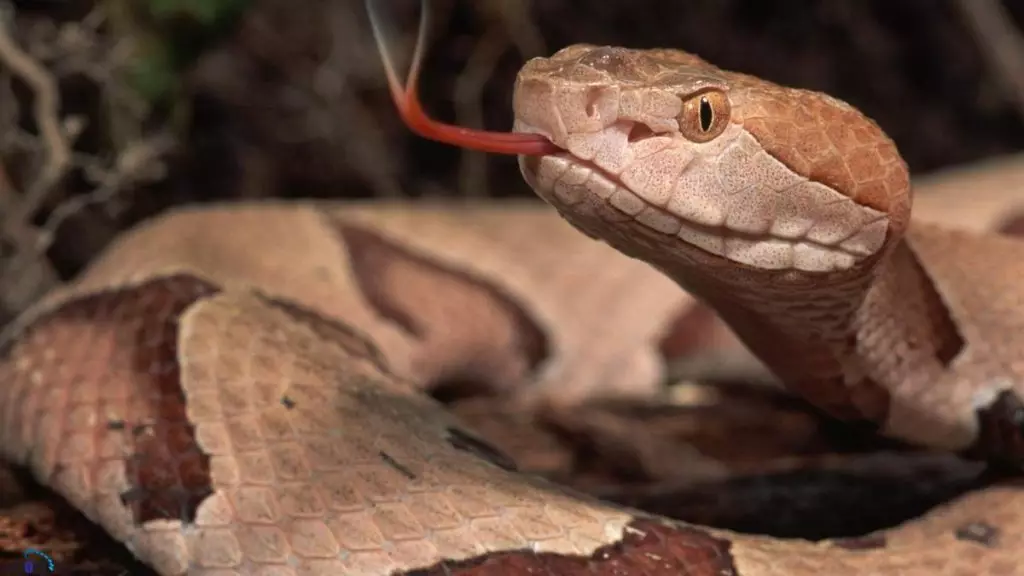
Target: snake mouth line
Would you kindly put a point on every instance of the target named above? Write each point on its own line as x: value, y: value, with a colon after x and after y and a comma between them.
x: 573, y: 179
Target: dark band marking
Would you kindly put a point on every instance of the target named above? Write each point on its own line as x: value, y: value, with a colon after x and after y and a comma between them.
x: 946, y: 340
x: 1012, y: 225
x: 848, y: 500
x: 398, y: 466
x: 1002, y: 429
x: 443, y: 307
x: 390, y: 276
x: 869, y: 542
x: 688, y: 332
x: 462, y: 440
x: 129, y: 377
x: 326, y: 328
x: 647, y: 548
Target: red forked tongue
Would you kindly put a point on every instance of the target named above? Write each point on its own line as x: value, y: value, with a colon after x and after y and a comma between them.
x: 409, y: 108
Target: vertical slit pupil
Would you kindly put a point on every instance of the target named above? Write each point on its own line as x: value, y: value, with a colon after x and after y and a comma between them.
x: 707, y: 114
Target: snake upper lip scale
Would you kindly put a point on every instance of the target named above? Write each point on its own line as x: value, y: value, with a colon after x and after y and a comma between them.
x: 238, y: 389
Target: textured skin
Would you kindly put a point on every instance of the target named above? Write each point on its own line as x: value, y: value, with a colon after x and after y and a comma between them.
x: 901, y: 339
x: 208, y: 391
x: 912, y: 330
x: 298, y: 252
x: 816, y: 136
x: 768, y: 185
x: 219, y: 431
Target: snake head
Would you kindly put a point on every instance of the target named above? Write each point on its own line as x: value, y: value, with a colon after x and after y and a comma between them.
x: 682, y: 164
x: 689, y: 167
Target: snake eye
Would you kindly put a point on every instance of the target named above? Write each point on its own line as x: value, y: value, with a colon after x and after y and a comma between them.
x: 705, y: 115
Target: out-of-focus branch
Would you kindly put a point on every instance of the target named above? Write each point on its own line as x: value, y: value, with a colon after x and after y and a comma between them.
x: 18, y: 232
x: 43, y: 53
x: 1001, y: 44
x: 139, y: 162
x: 8, y: 196
x: 27, y: 272
x: 46, y: 111
x: 508, y: 23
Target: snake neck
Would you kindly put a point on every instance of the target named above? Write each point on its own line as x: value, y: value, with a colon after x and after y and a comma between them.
x: 826, y: 342
x: 808, y: 339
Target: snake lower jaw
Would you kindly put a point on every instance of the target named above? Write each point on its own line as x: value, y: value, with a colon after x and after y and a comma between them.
x: 601, y: 207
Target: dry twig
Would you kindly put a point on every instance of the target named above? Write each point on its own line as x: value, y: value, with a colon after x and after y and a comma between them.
x: 46, y: 111
x: 508, y: 23
x: 45, y: 53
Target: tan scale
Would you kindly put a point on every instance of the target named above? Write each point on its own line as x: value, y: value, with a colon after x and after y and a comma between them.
x: 208, y: 392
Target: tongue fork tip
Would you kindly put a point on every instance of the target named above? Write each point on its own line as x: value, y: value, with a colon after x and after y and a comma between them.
x: 407, y: 102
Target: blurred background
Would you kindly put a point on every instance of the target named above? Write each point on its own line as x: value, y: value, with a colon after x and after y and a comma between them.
x: 112, y: 111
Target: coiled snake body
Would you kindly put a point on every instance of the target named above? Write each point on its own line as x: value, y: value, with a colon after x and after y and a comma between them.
x: 228, y: 390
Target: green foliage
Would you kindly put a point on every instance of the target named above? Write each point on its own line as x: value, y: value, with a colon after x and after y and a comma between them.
x: 155, y: 75
x: 205, y: 12
x: 172, y: 34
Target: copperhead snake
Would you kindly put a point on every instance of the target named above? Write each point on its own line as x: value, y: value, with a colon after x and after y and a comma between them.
x: 236, y: 389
